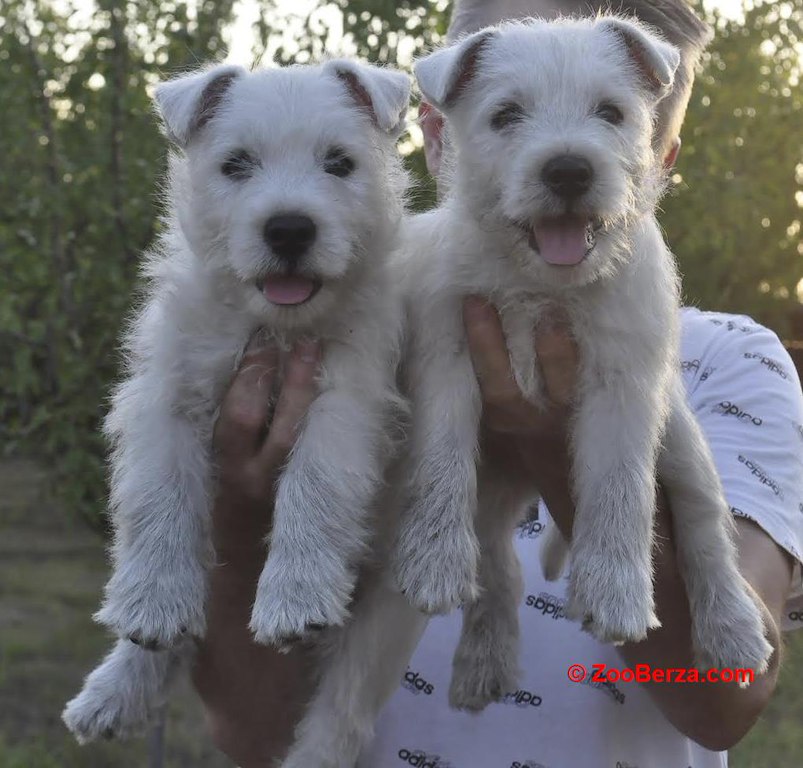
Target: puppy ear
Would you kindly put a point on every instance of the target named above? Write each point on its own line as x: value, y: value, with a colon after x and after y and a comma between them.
x: 383, y: 93
x: 656, y: 60
x: 443, y: 74
x: 188, y: 102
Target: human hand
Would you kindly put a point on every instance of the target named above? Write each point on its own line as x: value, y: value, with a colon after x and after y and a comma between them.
x: 250, y: 446
x: 252, y: 694
x: 514, y: 431
x: 505, y: 408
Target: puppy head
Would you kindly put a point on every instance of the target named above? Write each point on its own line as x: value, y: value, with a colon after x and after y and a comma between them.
x: 552, y: 126
x: 288, y: 179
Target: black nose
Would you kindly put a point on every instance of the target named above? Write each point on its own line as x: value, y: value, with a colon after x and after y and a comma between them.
x: 289, y: 235
x: 568, y: 176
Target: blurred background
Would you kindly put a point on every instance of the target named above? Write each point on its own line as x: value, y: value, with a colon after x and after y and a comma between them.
x: 80, y: 164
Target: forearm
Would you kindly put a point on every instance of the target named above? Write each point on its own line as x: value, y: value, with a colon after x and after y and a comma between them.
x: 716, y: 715
x: 534, y: 441
x: 253, y: 695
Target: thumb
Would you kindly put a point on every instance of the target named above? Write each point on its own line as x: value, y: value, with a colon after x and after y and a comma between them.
x: 558, y: 359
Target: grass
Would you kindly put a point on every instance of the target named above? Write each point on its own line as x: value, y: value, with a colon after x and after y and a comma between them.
x: 52, y: 570
x: 776, y: 741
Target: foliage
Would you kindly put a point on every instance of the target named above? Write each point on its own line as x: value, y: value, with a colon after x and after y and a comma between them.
x: 380, y: 31
x: 51, y: 574
x: 736, y: 217
x: 82, y: 158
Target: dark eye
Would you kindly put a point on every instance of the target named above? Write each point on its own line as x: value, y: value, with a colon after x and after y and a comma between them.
x: 506, y: 115
x: 239, y: 165
x: 610, y: 113
x: 338, y: 163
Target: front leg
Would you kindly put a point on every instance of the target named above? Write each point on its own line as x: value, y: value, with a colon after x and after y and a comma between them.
x: 485, y: 665
x: 362, y: 665
x: 615, y: 443
x: 160, y: 498
x: 727, y: 626
x: 125, y: 692
x: 321, y: 529
x: 434, y: 560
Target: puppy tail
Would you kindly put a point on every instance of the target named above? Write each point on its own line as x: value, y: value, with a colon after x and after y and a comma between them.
x: 554, y: 551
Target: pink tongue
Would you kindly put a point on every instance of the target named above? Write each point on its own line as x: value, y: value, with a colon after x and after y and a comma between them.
x: 562, y: 240
x: 287, y: 289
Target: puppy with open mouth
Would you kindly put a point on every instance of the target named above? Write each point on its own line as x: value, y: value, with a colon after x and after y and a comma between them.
x: 552, y: 190
x: 285, y: 198
x: 551, y: 203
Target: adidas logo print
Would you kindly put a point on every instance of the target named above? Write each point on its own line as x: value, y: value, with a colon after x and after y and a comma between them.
x: 529, y: 529
x: 549, y: 605
x: 419, y: 759
x: 522, y: 699
x: 413, y: 682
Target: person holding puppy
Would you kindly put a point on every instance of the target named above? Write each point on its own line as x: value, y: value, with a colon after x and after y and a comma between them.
x: 745, y: 392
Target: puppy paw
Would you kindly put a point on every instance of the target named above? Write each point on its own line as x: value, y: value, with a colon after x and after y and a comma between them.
x: 483, y: 671
x: 103, y: 713
x: 614, y: 610
x: 294, y: 603
x: 728, y: 633
x: 439, y: 574
x: 154, y: 613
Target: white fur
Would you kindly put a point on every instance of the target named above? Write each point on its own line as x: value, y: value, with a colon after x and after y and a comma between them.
x: 126, y: 692
x: 622, y: 302
x: 454, y: 543
x: 454, y: 540
x: 201, y: 307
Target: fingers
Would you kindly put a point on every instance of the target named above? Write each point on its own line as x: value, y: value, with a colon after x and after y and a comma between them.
x: 556, y: 352
x: 488, y: 349
x: 250, y: 455
x: 298, y: 391
x: 555, y: 349
x: 237, y: 524
x: 244, y: 411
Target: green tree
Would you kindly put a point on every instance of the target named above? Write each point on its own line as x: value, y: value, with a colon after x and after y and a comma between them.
x: 81, y: 157
x: 79, y: 178
x: 734, y: 220
x: 380, y: 31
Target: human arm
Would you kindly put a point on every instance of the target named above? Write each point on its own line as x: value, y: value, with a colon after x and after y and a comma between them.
x: 253, y: 695
x: 716, y: 716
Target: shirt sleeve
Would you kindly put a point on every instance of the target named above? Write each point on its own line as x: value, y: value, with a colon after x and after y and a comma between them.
x: 750, y: 406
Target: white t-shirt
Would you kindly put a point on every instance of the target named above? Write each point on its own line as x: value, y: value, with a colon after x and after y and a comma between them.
x: 746, y: 394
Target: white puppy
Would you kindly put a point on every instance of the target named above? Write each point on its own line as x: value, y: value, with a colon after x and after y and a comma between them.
x: 285, y: 203
x: 551, y: 205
